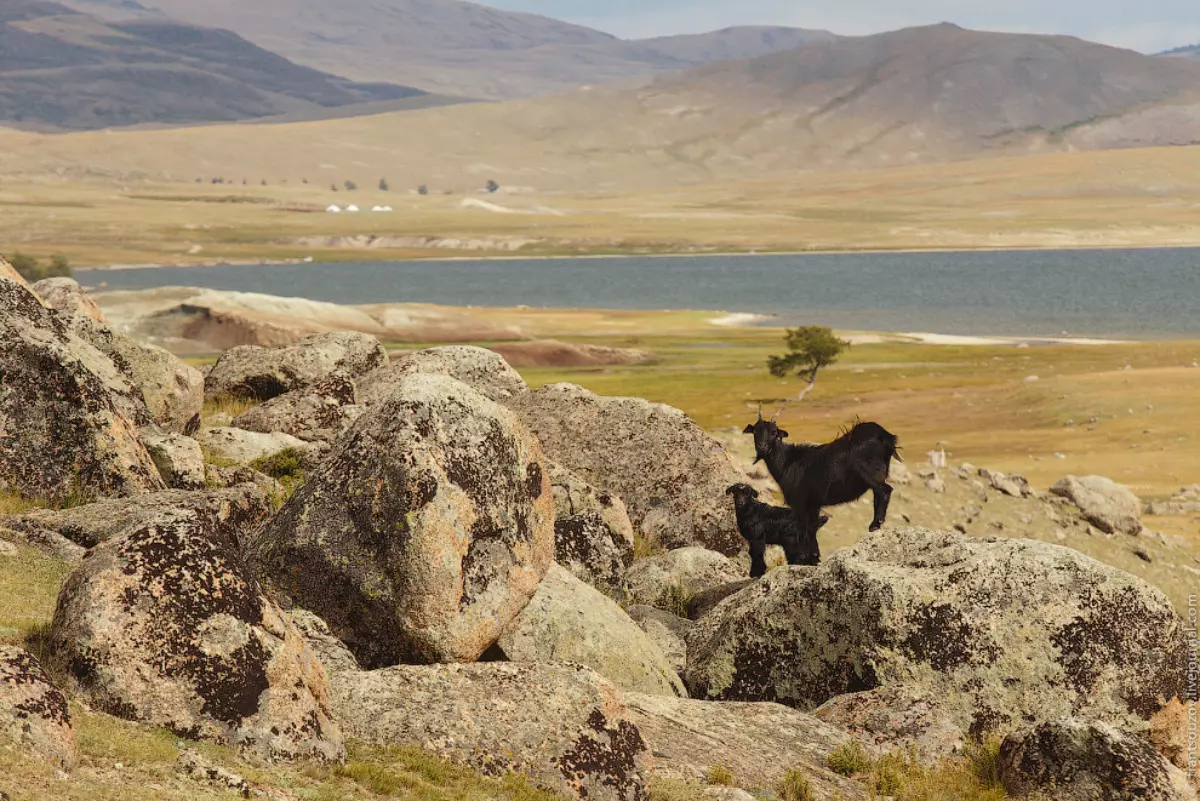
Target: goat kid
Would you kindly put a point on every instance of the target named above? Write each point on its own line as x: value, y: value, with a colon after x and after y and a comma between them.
x: 762, y: 524
x: 815, y: 476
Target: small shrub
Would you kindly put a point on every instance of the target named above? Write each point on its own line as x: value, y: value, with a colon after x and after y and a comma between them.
x: 718, y: 776
x: 675, y: 599
x: 674, y: 790
x: 795, y: 786
x: 849, y: 759
x: 888, y: 773
x: 26, y: 266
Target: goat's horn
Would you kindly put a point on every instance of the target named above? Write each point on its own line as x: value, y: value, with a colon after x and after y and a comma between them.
x: 760, y: 417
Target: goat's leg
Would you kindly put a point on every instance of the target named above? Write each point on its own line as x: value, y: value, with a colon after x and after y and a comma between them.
x: 811, y: 549
x: 758, y: 560
x: 883, y: 496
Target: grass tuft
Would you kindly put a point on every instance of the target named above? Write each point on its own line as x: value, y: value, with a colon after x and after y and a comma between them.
x: 795, y: 786
x: 718, y: 776
x: 675, y: 599
x: 849, y: 759
x: 645, y: 546
x: 223, y: 408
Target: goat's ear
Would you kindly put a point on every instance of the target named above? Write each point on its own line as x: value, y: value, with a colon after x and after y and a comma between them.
x: 783, y: 433
x: 749, y: 429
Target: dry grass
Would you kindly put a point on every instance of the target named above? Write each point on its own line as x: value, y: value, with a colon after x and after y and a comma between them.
x: 1117, y: 198
x: 29, y: 585
x: 973, y: 399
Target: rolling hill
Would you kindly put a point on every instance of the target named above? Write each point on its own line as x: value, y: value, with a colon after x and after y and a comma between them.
x: 452, y: 47
x: 62, y: 69
x: 922, y: 95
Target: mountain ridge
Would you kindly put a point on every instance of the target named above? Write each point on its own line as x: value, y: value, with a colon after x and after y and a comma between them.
x: 63, y: 69
x: 458, y: 48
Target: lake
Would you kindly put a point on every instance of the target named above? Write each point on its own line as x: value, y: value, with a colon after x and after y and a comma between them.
x: 1143, y: 293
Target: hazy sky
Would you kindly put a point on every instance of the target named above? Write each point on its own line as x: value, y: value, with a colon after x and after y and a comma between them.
x: 1147, y: 25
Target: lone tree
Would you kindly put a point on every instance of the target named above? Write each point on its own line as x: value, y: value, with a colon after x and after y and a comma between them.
x: 492, y: 187
x: 350, y: 186
x: 422, y: 190
x: 812, y: 347
x: 383, y: 185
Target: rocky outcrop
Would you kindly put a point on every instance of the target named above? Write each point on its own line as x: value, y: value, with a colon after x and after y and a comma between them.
x: 1104, y: 503
x: 172, y: 391
x: 667, y: 631
x: 668, y: 580
x: 227, y: 514
x: 1078, y: 760
x: 265, y: 373
x: 33, y: 712
x: 9, y: 273
x: 179, y: 459
x: 68, y: 419
x: 165, y: 627
x: 569, y: 621
x: 707, y: 600
x: 563, y: 726
x: 996, y: 632
x: 483, y: 370
x: 423, y: 533
x: 320, y: 412
x: 241, y: 447
x: 65, y: 295
x: 897, y: 717
x: 756, y: 743
x: 671, y: 475
x: 593, y: 537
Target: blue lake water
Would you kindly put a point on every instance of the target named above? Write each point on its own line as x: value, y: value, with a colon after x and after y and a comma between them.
x: 1143, y: 293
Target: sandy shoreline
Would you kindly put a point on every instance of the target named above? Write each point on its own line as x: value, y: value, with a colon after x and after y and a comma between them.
x: 657, y: 255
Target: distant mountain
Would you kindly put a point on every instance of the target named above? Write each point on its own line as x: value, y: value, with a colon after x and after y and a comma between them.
x: 1187, y: 51
x: 62, y: 69
x: 454, y: 47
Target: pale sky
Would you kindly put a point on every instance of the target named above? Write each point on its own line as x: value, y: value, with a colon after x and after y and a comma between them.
x: 1146, y: 25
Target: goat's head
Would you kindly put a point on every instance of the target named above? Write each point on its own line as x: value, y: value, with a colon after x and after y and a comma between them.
x: 767, y: 436
x: 742, y: 494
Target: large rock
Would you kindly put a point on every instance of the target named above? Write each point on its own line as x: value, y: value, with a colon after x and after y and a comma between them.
x: 757, y: 743
x: 65, y: 295
x: 671, y: 475
x: 996, y: 632
x: 33, y: 712
x: 172, y: 391
x: 569, y: 621
x: 318, y: 412
x: 593, y: 537
x: 670, y: 580
x: 898, y: 717
x: 165, y: 627
x: 483, y: 370
x: 179, y: 459
x: 668, y: 631
x: 228, y: 514
x: 562, y: 725
x: 68, y: 419
x: 238, y: 446
x: 423, y: 533
x: 1078, y: 760
x: 1104, y: 503
x: 265, y: 373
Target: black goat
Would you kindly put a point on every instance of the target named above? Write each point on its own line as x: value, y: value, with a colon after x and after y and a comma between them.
x: 762, y: 524
x: 815, y: 476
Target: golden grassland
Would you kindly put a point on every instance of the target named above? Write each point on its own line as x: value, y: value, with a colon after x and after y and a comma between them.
x: 1117, y: 198
x: 974, y: 400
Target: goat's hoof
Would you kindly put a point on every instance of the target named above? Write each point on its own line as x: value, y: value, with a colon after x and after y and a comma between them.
x: 875, y: 527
